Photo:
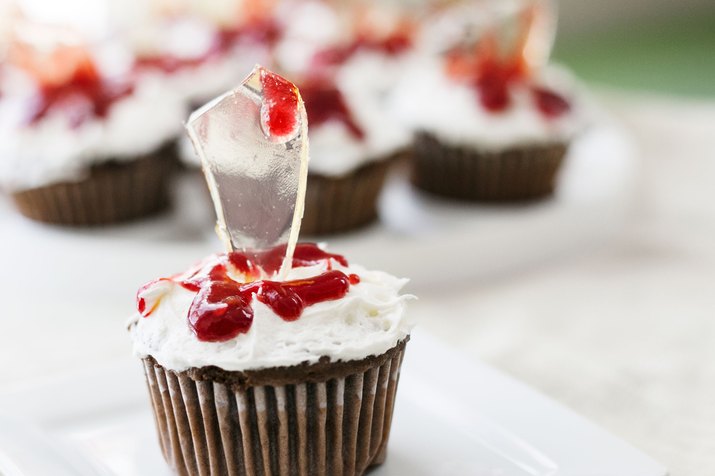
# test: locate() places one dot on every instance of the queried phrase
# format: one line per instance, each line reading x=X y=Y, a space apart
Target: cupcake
x=198 y=50
x=253 y=376
x=489 y=124
x=345 y=73
x=79 y=146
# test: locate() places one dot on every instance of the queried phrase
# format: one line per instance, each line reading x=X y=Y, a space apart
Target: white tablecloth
x=623 y=334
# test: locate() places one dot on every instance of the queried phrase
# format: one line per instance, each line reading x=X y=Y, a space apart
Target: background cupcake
x=81 y=145
x=491 y=122
x=348 y=65
x=241 y=381
x=197 y=49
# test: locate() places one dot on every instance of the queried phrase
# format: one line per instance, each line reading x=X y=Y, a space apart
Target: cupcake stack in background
x=82 y=141
x=461 y=88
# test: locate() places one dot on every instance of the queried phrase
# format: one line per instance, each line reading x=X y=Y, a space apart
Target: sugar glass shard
x=253 y=145
x=514 y=28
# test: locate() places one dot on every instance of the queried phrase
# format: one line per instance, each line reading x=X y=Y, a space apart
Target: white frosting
x=428 y=100
x=313 y=25
x=369 y=320
x=365 y=81
x=189 y=38
x=197 y=84
x=51 y=150
x=186 y=152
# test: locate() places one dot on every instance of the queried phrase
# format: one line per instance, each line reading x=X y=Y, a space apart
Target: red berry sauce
x=550 y=103
x=83 y=95
x=221 y=309
x=259 y=31
x=279 y=112
x=392 y=45
x=324 y=102
x=492 y=76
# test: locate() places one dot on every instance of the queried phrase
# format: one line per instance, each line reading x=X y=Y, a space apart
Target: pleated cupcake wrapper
x=337 y=204
x=464 y=173
x=334 y=428
x=111 y=193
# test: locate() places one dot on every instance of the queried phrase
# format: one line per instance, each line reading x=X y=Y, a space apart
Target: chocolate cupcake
x=199 y=49
x=491 y=123
x=467 y=148
x=352 y=145
x=80 y=148
x=251 y=376
x=344 y=74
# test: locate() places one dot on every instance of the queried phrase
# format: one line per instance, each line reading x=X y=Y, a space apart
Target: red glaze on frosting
x=68 y=80
x=258 y=31
x=324 y=102
x=492 y=75
x=550 y=103
x=392 y=45
x=279 y=112
x=289 y=299
x=145 y=308
x=222 y=309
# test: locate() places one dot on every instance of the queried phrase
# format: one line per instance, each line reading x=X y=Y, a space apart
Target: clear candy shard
x=253 y=145
x=518 y=28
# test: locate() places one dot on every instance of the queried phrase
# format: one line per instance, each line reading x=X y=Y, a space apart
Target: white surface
x=451 y=418
x=67 y=312
x=622 y=332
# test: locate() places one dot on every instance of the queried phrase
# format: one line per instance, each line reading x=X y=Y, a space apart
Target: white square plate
x=453 y=417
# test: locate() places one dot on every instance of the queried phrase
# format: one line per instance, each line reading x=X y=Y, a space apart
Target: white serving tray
x=453 y=418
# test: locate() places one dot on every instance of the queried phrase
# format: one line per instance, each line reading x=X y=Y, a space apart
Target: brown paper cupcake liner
x=111 y=193
x=338 y=204
x=465 y=173
x=337 y=426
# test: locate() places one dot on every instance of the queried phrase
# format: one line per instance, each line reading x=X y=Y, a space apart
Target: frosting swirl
x=368 y=319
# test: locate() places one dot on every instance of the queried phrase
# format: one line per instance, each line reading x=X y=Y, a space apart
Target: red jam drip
x=141 y=302
x=280 y=105
x=492 y=76
x=393 y=45
x=289 y=299
x=550 y=103
x=82 y=95
x=256 y=32
x=305 y=254
x=221 y=309
x=324 y=102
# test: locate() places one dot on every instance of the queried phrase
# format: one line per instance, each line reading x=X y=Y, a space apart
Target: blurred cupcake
x=79 y=147
x=490 y=124
x=348 y=72
x=352 y=145
x=249 y=376
x=198 y=49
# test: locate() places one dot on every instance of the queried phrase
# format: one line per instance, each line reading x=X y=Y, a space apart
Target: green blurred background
x=654 y=45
